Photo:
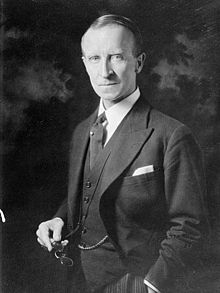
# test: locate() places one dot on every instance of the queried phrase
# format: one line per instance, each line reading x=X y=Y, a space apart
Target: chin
x=108 y=96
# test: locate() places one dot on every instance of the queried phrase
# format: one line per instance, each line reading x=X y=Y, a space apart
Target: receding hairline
x=118 y=20
x=109 y=25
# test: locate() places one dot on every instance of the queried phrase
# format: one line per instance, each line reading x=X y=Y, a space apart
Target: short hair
x=109 y=19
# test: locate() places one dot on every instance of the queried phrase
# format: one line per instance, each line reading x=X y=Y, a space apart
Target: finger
x=57 y=230
x=42 y=244
x=57 y=235
x=43 y=235
x=47 y=244
x=65 y=242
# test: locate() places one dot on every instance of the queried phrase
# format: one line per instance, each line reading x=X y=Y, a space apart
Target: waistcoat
x=101 y=265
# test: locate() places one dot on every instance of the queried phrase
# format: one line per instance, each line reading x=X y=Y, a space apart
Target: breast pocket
x=143 y=178
x=138 y=196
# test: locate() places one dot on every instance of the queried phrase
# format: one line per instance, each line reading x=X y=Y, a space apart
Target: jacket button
x=86 y=199
x=88 y=184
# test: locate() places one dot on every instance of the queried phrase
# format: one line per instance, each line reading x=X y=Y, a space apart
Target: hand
x=49 y=232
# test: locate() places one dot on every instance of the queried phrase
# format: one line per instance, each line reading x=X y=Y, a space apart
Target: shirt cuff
x=151 y=286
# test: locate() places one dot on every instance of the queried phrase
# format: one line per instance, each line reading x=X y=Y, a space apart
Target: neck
x=109 y=103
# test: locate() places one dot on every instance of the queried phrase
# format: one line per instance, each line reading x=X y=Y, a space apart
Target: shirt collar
x=119 y=110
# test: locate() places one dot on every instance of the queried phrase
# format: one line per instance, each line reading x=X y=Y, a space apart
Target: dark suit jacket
x=155 y=220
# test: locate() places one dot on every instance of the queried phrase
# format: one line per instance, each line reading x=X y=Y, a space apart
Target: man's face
x=108 y=55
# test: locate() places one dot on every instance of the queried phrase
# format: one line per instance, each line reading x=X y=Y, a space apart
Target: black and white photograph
x=109 y=146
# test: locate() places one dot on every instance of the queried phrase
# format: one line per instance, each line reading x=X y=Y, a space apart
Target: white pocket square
x=143 y=170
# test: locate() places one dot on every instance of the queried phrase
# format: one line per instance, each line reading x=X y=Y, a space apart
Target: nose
x=105 y=68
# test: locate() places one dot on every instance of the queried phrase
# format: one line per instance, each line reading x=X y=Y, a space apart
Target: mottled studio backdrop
x=45 y=92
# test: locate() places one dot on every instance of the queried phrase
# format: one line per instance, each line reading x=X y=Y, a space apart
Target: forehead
x=107 y=38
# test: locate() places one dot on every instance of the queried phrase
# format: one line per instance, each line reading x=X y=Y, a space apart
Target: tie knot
x=101 y=118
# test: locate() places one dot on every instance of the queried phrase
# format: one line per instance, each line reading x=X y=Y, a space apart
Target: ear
x=140 y=62
x=84 y=62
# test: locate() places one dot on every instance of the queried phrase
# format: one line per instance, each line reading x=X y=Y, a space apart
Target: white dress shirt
x=115 y=114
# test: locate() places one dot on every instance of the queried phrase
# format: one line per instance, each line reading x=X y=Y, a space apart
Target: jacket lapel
x=129 y=141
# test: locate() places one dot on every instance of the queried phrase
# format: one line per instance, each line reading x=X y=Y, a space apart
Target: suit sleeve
x=184 y=191
x=62 y=211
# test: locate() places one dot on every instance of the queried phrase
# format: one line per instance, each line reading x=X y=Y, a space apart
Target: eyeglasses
x=59 y=247
x=59 y=253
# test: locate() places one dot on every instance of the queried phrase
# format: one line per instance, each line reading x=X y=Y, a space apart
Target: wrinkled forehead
x=109 y=35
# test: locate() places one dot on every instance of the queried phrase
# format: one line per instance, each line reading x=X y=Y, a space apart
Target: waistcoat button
x=86 y=199
x=88 y=184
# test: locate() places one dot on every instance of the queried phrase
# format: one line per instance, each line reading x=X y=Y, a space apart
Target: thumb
x=57 y=229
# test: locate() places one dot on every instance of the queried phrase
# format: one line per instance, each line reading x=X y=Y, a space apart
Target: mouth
x=107 y=84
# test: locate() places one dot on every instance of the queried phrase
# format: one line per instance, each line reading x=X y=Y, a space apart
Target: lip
x=107 y=84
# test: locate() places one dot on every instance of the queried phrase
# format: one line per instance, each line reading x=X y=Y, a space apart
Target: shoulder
x=159 y=120
x=83 y=126
x=171 y=134
x=167 y=126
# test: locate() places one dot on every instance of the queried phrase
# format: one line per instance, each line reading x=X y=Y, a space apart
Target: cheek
x=126 y=73
x=128 y=79
x=92 y=73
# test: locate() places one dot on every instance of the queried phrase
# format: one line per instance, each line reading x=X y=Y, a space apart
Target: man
x=138 y=203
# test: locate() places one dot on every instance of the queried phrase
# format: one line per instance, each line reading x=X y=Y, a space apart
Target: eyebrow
x=109 y=53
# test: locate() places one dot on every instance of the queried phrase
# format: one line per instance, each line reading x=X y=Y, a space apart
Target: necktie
x=97 y=135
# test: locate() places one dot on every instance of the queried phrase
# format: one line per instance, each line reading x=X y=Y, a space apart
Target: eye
x=94 y=59
x=117 y=58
